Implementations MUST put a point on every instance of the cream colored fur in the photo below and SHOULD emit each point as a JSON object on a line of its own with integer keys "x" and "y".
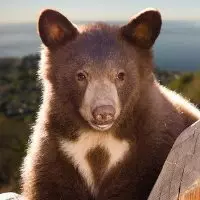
{"x": 77, "y": 151}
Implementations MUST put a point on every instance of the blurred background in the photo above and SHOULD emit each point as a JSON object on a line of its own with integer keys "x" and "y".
{"x": 177, "y": 56}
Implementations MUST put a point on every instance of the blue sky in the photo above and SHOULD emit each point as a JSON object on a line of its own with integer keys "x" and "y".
{"x": 28, "y": 10}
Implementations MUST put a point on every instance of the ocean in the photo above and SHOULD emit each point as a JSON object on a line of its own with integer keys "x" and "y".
{"x": 177, "y": 48}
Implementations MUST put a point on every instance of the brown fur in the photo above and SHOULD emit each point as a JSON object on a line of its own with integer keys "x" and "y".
{"x": 151, "y": 118}
{"x": 98, "y": 159}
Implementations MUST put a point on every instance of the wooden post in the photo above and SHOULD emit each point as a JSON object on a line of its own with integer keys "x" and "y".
{"x": 180, "y": 176}
{"x": 191, "y": 194}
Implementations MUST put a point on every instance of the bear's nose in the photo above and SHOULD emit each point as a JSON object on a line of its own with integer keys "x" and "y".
{"x": 104, "y": 114}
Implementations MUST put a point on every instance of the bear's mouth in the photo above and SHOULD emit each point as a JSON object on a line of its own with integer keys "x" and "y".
{"x": 100, "y": 127}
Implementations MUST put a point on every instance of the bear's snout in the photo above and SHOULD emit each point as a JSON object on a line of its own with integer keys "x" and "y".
{"x": 100, "y": 106}
{"x": 104, "y": 114}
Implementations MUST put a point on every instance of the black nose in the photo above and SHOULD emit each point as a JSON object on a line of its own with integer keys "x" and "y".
{"x": 104, "y": 114}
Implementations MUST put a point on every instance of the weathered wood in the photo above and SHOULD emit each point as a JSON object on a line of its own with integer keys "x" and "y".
{"x": 191, "y": 194}
{"x": 180, "y": 176}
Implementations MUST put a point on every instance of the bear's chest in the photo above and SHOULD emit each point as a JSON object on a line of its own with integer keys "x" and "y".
{"x": 94, "y": 154}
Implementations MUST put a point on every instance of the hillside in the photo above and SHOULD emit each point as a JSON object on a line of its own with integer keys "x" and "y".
{"x": 188, "y": 85}
{"x": 19, "y": 90}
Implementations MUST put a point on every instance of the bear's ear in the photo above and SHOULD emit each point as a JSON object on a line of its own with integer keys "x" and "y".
{"x": 143, "y": 29}
{"x": 55, "y": 29}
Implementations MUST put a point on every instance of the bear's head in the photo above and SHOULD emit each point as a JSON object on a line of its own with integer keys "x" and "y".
{"x": 97, "y": 72}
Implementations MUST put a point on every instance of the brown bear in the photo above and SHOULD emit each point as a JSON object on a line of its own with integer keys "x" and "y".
{"x": 105, "y": 125}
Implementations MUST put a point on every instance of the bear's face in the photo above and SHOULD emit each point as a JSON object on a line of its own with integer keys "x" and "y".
{"x": 98, "y": 68}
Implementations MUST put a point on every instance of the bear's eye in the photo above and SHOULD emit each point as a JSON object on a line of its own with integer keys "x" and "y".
{"x": 121, "y": 76}
{"x": 81, "y": 76}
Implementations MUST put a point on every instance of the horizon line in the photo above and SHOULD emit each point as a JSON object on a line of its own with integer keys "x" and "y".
{"x": 94, "y": 21}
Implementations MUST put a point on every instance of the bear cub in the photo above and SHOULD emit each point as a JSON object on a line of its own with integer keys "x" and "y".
{"x": 105, "y": 126}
